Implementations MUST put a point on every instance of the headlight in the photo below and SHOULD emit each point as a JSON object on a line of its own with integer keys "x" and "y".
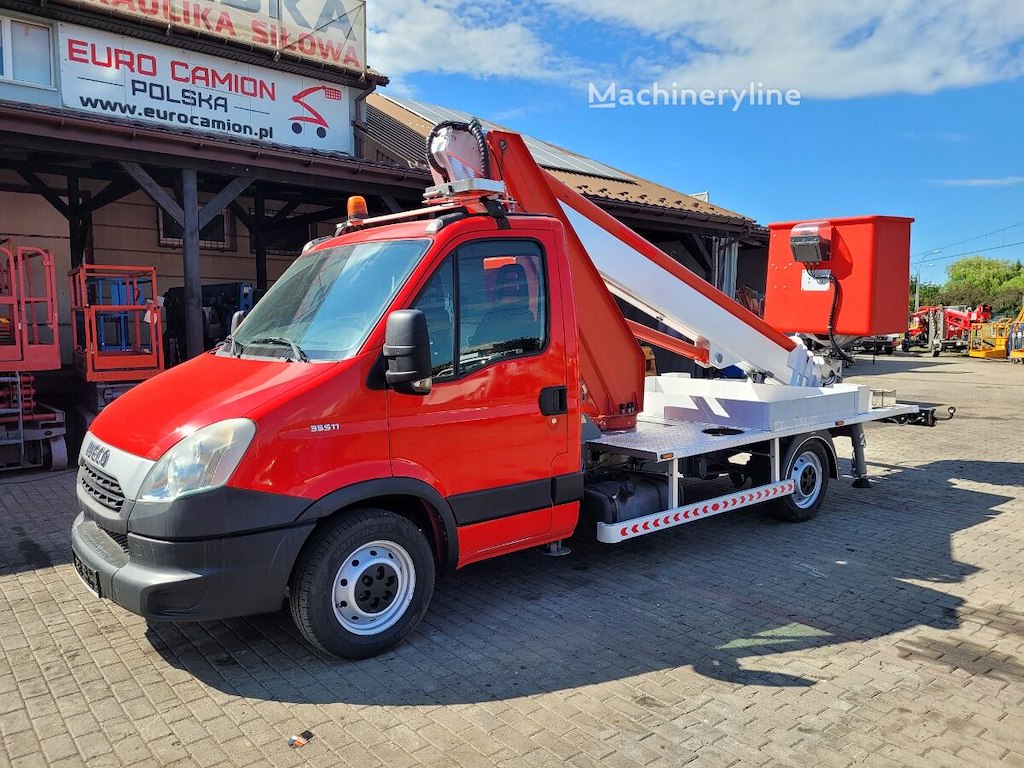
{"x": 202, "y": 461}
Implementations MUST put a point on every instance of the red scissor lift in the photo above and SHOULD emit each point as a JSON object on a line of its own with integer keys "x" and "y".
{"x": 31, "y": 433}
{"x": 115, "y": 328}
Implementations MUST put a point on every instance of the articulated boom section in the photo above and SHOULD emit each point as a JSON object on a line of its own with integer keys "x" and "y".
{"x": 723, "y": 333}
{"x": 611, "y": 362}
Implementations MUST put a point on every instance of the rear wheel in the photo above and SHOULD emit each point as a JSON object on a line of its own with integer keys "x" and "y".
{"x": 363, "y": 585}
{"x": 807, "y": 466}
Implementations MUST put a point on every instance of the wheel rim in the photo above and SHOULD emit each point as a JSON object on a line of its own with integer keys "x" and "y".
{"x": 806, "y": 475}
{"x": 373, "y": 587}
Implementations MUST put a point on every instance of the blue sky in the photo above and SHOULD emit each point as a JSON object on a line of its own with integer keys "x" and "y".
{"x": 906, "y": 108}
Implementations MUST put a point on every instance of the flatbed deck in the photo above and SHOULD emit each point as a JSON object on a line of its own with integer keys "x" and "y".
{"x": 661, "y": 439}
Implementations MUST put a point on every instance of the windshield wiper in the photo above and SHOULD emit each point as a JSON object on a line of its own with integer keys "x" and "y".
{"x": 283, "y": 341}
{"x": 230, "y": 341}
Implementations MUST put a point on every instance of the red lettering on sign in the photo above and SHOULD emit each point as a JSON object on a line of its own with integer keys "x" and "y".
{"x": 145, "y": 64}
{"x": 331, "y": 51}
{"x": 124, "y": 59}
{"x": 224, "y": 23}
{"x": 179, "y": 71}
{"x": 76, "y": 50}
{"x": 260, "y": 33}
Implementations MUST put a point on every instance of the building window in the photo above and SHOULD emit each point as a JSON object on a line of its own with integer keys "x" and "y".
{"x": 218, "y": 235}
{"x": 26, "y": 55}
{"x": 283, "y": 241}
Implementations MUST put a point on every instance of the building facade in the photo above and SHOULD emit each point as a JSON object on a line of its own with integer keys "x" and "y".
{"x": 212, "y": 139}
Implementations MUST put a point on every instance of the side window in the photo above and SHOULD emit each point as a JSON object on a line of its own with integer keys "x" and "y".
{"x": 502, "y": 301}
{"x": 437, "y": 302}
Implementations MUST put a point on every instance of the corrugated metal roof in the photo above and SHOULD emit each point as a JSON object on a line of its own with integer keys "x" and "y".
{"x": 403, "y": 124}
{"x": 641, "y": 192}
{"x": 400, "y": 139}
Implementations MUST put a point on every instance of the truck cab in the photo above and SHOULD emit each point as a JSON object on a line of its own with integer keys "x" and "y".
{"x": 225, "y": 485}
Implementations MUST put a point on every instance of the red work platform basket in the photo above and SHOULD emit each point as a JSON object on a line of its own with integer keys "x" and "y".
{"x": 865, "y": 258}
{"x": 28, "y": 311}
{"x": 115, "y": 323}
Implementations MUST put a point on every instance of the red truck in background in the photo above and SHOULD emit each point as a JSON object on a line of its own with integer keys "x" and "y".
{"x": 428, "y": 389}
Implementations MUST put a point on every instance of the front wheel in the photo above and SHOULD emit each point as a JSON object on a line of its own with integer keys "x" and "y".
{"x": 363, "y": 584}
{"x": 807, "y": 466}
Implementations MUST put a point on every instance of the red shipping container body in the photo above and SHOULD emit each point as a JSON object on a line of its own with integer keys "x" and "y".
{"x": 869, "y": 257}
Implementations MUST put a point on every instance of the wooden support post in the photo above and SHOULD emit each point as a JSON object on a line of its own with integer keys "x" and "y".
{"x": 191, "y": 218}
{"x": 695, "y": 245}
{"x": 220, "y": 201}
{"x": 259, "y": 240}
{"x": 48, "y": 194}
{"x": 194, "y": 342}
{"x": 148, "y": 185}
{"x": 76, "y": 225}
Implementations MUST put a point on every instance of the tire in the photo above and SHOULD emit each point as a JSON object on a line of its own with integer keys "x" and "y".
{"x": 363, "y": 584}
{"x": 890, "y": 349}
{"x": 807, "y": 464}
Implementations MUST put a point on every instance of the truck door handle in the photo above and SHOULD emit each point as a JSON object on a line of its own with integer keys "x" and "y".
{"x": 554, "y": 401}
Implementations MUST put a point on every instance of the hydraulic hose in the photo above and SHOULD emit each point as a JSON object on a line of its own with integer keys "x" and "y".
{"x": 839, "y": 351}
{"x": 473, "y": 127}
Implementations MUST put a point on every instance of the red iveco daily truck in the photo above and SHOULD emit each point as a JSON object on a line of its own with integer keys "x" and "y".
{"x": 429, "y": 389}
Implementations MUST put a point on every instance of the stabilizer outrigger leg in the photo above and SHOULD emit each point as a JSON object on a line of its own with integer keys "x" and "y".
{"x": 554, "y": 549}
{"x": 860, "y": 464}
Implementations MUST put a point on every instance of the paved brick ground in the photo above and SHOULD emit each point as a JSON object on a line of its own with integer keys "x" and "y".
{"x": 887, "y": 632}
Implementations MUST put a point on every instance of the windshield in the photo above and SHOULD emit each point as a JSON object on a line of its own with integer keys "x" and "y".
{"x": 325, "y": 304}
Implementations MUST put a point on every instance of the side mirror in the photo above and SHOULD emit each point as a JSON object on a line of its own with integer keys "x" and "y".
{"x": 236, "y": 320}
{"x": 407, "y": 351}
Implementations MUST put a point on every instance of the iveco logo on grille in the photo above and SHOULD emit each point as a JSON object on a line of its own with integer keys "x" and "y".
{"x": 97, "y": 454}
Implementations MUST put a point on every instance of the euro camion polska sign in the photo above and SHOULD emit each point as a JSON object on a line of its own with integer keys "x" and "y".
{"x": 330, "y": 32}
{"x": 130, "y": 79}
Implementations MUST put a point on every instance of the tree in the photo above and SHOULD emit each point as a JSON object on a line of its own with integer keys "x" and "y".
{"x": 974, "y": 280}
{"x": 987, "y": 274}
{"x": 928, "y": 295}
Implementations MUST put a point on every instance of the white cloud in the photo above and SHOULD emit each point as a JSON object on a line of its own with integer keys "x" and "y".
{"x": 826, "y": 49}
{"x": 1005, "y": 181}
{"x": 455, "y": 37}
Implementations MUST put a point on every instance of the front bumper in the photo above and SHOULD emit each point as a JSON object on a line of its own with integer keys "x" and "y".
{"x": 197, "y": 579}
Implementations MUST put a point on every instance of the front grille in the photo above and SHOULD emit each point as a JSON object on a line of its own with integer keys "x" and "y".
{"x": 102, "y": 487}
{"x": 103, "y": 543}
{"x": 121, "y": 539}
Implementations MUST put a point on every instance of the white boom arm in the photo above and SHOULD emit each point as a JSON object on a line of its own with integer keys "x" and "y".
{"x": 731, "y": 340}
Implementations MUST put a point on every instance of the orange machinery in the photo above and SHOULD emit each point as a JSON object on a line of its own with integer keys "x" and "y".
{"x": 115, "y": 327}
{"x": 31, "y": 434}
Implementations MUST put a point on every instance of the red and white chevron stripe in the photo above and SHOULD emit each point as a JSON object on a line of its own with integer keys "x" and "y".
{"x": 615, "y": 532}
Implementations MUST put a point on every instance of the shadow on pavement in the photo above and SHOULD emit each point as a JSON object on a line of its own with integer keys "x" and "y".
{"x": 37, "y": 509}
{"x": 904, "y": 362}
{"x": 713, "y": 596}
